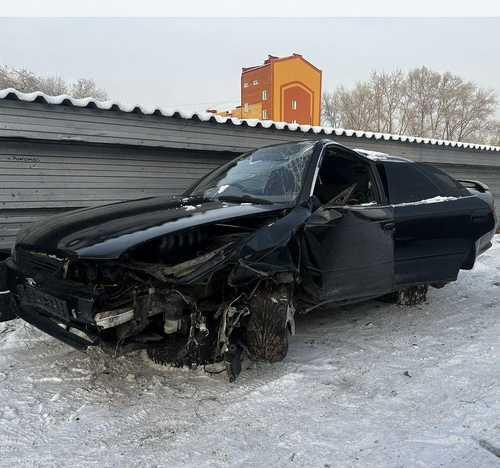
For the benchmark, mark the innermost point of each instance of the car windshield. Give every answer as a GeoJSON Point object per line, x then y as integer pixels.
{"type": "Point", "coordinates": [272, 174]}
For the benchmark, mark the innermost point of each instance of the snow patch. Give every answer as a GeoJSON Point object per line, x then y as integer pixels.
{"type": "Point", "coordinates": [222, 188]}
{"type": "Point", "coordinates": [427, 201]}
{"type": "Point", "coordinates": [373, 155]}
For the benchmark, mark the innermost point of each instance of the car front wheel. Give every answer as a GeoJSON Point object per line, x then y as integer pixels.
{"type": "Point", "coordinates": [266, 332]}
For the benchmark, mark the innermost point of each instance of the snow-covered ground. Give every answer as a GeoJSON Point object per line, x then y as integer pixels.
{"type": "Point", "coordinates": [368, 385]}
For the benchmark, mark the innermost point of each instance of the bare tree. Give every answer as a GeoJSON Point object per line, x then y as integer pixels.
{"type": "Point", "coordinates": [330, 110]}
{"type": "Point", "coordinates": [53, 86]}
{"type": "Point", "coordinates": [387, 94]}
{"type": "Point", "coordinates": [356, 105]}
{"type": "Point", "coordinates": [21, 79]}
{"type": "Point", "coordinates": [421, 102]}
{"type": "Point", "coordinates": [422, 85]}
{"type": "Point", "coordinates": [494, 133]}
{"type": "Point", "coordinates": [87, 88]}
{"type": "Point", "coordinates": [26, 81]}
{"type": "Point", "coordinates": [476, 108]}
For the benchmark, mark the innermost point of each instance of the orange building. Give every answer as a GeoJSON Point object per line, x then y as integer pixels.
{"type": "Point", "coordinates": [286, 89]}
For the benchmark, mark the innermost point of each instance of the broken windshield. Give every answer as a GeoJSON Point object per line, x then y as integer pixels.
{"type": "Point", "coordinates": [272, 174]}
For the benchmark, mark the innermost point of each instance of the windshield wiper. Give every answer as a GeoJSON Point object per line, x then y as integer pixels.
{"type": "Point", "coordinates": [244, 199]}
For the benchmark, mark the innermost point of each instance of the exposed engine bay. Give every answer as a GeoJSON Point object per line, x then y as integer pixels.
{"type": "Point", "coordinates": [170, 295]}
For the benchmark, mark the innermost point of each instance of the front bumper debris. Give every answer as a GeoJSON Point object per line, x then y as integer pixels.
{"type": "Point", "coordinates": [6, 310]}
{"type": "Point", "coordinates": [52, 314]}
{"type": "Point", "coordinates": [70, 335]}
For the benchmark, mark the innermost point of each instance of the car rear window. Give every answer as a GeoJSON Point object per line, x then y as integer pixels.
{"type": "Point", "coordinates": [446, 183]}
{"type": "Point", "coordinates": [405, 183]}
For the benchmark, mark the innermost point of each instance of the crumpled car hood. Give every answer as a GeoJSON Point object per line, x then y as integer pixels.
{"type": "Point", "coordinates": [106, 232]}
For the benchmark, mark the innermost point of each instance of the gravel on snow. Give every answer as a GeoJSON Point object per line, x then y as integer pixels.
{"type": "Point", "coordinates": [373, 385]}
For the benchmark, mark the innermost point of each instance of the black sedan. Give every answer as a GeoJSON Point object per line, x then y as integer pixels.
{"type": "Point", "coordinates": [224, 268]}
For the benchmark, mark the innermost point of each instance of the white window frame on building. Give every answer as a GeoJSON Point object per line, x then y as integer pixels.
{"type": "Point", "coordinates": [245, 107]}
{"type": "Point", "coordinates": [294, 104]}
{"type": "Point", "coordinates": [255, 82]}
{"type": "Point", "coordinates": [264, 94]}
{"type": "Point", "coordinates": [245, 85]}
{"type": "Point", "coordinates": [264, 114]}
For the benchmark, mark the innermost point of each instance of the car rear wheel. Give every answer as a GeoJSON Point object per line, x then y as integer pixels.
{"type": "Point", "coordinates": [266, 332]}
{"type": "Point", "coordinates": [412, 295]}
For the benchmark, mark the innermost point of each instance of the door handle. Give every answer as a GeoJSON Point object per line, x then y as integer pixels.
{"type": "Point", "coordinates": [389, 226]}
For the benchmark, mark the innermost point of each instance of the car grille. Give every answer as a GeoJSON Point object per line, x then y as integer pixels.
{"type": "Point", "coordinates": [36, 263]}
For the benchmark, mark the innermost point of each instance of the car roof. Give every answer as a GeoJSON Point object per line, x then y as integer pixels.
{"type": "Point", "coordinates": [369, 154]}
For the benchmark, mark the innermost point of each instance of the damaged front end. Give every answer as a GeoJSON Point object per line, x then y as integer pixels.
{"type": "Point", "coordinates": [185, 297]}
{"type": "Point", "coordinates": [195, 279]}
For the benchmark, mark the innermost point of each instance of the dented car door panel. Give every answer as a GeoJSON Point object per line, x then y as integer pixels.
{"type": "Point", "coordinates": [351, 251]}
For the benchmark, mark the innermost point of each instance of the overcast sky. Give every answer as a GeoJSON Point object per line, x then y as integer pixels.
{"type": "Point", "coordinates": [194, 64]}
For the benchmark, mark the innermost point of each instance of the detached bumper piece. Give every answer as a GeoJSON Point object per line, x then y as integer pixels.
{"type": "Point", "coordinates": [70, 335]}
{"type": "Point", "coordinates": [7, 312]}
{"type": "Point", "coordinates": [44, 311]}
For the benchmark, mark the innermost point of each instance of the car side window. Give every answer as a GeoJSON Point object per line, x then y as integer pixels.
{"type": "Point", "coordinates": [405, 183]}
{"type": "Point", "coordinates": [343, 179]}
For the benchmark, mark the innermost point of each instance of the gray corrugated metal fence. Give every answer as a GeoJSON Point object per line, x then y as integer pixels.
{"type": "Point", "coordinates": [56, 157]}
{"type": "Point", "coordinates": [42, 178]}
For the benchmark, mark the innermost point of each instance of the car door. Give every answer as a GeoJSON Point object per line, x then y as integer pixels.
{"type": "Point", "coordinates": [432, 236]}
{"type": "Point", "coordinates": [349, 248]}
{"type": "Point", "coordinates": [431, 242]}
{"type": "Point", "coordinates": [351, 251]}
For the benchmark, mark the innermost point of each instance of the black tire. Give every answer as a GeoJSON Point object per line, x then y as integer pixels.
{"type": "Point", "coordinates": [266, 332]}
{"type": "Point", "coordinates": [174, 351]}
{"type": "Point", "coordinates": [167, 353]}
{"type": "Point", "coordinates": [410, 296]}
{"type": "Point", "coordinates": [413, 295]}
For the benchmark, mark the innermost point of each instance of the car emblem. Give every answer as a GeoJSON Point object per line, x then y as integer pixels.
{"type": "Point", "coordinates": [31, 282]}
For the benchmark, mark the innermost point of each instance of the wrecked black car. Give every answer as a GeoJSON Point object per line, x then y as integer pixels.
{"type": "Point", "coordinates": [224, 268]}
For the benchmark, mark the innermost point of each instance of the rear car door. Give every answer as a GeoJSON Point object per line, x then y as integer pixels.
{"type": "Point", "coordinates": [432, 235]}
{"type": "Point", "coordinates": [349, 244]}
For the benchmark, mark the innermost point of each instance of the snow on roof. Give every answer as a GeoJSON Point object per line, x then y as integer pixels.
{"type": "Point", "coordinates": [379, 156]}
{"type": "Point", "coordinates": [11, 93]}
{"type": "Point", "coordinates": [373, 155]}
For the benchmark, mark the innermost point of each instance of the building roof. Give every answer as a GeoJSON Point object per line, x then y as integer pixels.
{"type": "Point", "coordinates": [89, 103]}
{"type": "Point", "coordinates": [273, 58]}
